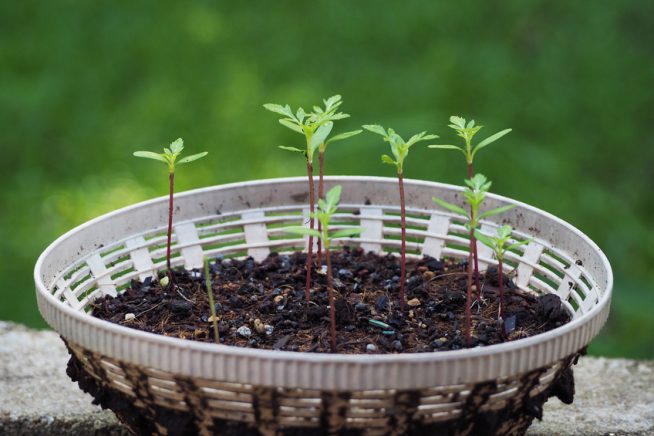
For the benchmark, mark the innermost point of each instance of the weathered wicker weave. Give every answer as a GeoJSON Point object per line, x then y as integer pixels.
{"type": "Point", "coordinates": [165, 385]}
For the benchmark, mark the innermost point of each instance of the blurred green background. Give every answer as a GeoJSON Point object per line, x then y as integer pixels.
{"type": "Point", "coordinates": [83, 84]}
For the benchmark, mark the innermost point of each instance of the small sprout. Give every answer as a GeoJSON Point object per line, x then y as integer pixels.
{"type": "Point", "coordinates": [327, 208]}
{"type": "Point", "coordinates": [475, 193]}
{"type": "Point", "coordinates": [315, 127]}
{"type": "Point", "coordinates": [500, 245]}
{"type": "Point", "coordinates": [212, 304]}
{"type": "Point", "coordinates": [399, 150]}
{"type": "Point", "coordinates": [169, 157]}
{"type": "Point", "coordinates": [467, 131]}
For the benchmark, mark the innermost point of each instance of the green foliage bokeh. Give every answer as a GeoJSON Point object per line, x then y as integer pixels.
{"type": "Point", "coordinates": [84, 84]}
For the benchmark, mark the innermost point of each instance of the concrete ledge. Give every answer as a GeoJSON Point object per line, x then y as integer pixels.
{"type": "Point", "coordinates": [614, 396]}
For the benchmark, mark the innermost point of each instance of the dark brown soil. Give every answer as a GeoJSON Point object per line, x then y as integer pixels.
{"type": "Point", "coordinates": [262, 305]}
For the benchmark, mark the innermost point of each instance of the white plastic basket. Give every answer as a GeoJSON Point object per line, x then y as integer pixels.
{"type": "Point", "coordinates": [103, 255]}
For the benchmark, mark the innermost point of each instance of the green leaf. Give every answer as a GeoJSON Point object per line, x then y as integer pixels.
{"type": "Point", "coordinates": [451, 207]}
{"type": "Point", "coordinates": [458, 122]}
{"type": "Point", "coordinates": [489, 140]}
{"type": "Point", "coordinates": [333, 100]}
{"type": "Point", "coordinates": [150, 155]}
{"type": "Point", "coordinates": [517, 244]}
{"type": "Point", "coordinates": [291, 124]}
{"type": "Point", "coordinates": [504, 232]}
{"type": "Point", "coordinates": [301, 230]}
{"type": "Point", "coordinates": [279, 109]}
{"type": "Point", "coordinates": [345, 233]}
{"type": "Point", "coordinates": [342, 136]}
{"type": "Point", "coordinates": [375, 128]}
{"type": "Point", "coordinates": [321, 134]}
{"type": "Point", "coordinates": [333, 196]}
{"type": "Point", "coordinates": [495, 211]}
{"type": "Point", "coordinates": [193, 157]}
{"type": "Point", "coordinates": [294, 149]}
{"type": "Point", "coordinates": [177, 146]}
{"type": "Point", "coordinates": [387, 159]}
{"type": "Point", "coordinates": [486, 240]}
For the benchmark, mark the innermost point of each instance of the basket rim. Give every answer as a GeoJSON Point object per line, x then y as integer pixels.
{"type": "Point", "coordinates": [599, 310]}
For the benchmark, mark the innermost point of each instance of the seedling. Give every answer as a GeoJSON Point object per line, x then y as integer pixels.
{"type": "Point", "coordinates": [331, 105]}
{"type": "Point", "coordinates": [500, 245]}
{"type": "Point", "coordinates": [315, 126]}
{"type": "Point", "coordinates": [169, 157]}
{"type": "Point", "coordinates": [467, 131]}
{"type": "Point", "coordinates": [212, 304]}
{"type": "Point", "coordinates": [399, 150]}
{"type": "Point", "coordinates": [327, 208]}
{"type": "Point", "coordinates": [475, 193]}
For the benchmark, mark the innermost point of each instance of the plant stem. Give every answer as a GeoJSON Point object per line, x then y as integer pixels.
{"type": "Point", "coordinates": [468, 329]}
{"type": "Point", "coordinates": [500, 276]}
{"type": "Point", "coordinates": [212, 304]}
{"type": "Point", "coordinates": [170, 227]}
{"type": "Point", "coordinates": [332, 308]}
{"type": "Point", "coordinates": [474, 248]}
{"type": "Point", "coordinates": [321, 194]}
{"type": "Point", "coordinates": [474, 243]}
{"type": "Point", "coordinates": [403, 251]}
{"type": "Point", "coordinates": [312, 202]}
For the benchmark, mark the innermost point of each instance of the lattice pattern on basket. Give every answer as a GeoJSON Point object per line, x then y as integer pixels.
{"type": "Point", "coordinates": [373, 411]}
{"type": "Point", "coordinates": [537, 267]}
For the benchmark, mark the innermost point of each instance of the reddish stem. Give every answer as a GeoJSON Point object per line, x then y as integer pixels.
{"type": "Point", "coordinates": [321, 193]}
{"type": "Point", "coordinates": [468, 330]}
{"type": "Point", "coordinates": [170, 227]}
{"type": "Point", "coordinates": [403, 252]}
{"type": "Point", "coordinates": [474, 252]}
{"type": "Point", "coordinates": [470, 170]}
{"type": "Point", "coordinates": [500, 276]}
{"type": "Point", "coordinates": [312, 201]}
{"type": "Point", "coordinates": [332, 302]}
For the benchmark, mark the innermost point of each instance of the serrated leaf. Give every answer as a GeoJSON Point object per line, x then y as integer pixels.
{"type": "Point", "coordinates": [334, 99]}
{"type": "Point", "coordinates": [301, 230]}
{"type": "Point", "coordinates": [287, 122]}
{"type": "Point", "coordinates": [375, 128]}
{"type": "Point", "coordinates": [177, 146]}
{"type": "Point", "coordinates": [346, 233]}
{"type": "Point", "coordinates": [151, 155]}
{"type": "Point", "coordinates": [387, 159]}
{"type": "Point", "coordinates": [470, 124]}
{"type": "Point", "coordinates": [279, 109]}
{"type": "Point", "coordinates": [451, 207]}
{"type": "Point", "coordinates": [344, 135]}
{"type": "Point", "coordinates": [457, 122]}
{"type": "Point", "coordinates": [193, 157]}
{"type": "Point", "coordinates": [517, 244]}
{"type": "Point", "coordinates": [504, 231]}
{"type": "Point", "coordinates": [495, 211]}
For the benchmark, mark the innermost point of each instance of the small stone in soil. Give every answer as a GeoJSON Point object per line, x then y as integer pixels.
{"type": "Point", "coordinates": [397, 345]}
{"type": "Point", "coordinates": [360, 306]}
{"type": "Point", "coordinates": [244, 331]}
{"type": "Point", "coordinates": [371, 348]}
{"type": "Point", "coordinates": [509, 324]}
{"type": "Point", "coordinates": [129, 316]}
{"type": "Point", "coordinates": [182, 307]}
{"type": "Point", "coordinates": [345, 274]}
{"type": "Point", "coordinates": [413, 302]}
{"type": "Point", "coordinates": [382, 303]}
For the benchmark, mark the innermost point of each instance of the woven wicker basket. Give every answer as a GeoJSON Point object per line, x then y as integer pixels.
{"type": "Point", "coordinates": [165, 385]}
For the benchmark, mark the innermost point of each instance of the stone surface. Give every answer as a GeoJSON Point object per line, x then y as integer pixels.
{"type": "Point", "coordinates": [614, 396]}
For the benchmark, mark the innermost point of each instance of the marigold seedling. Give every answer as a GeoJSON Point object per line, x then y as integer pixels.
{"type": "Point", "coordinates": [315, 127]}
{"type": "Point", "coordinates": [467, 131]}
{"type": "Point", "coordinates": [475, 192]}
{"type": "Point", "coordinates": [169, 157]}
{"type": "Point", "coordinates": [212, 304]}
{"type": "Point", "coordinates": [399, 149]}
{"type": "Point", "coordinates": [500, 245]}
{"type": "Point", "coordinates": [326, 209]}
